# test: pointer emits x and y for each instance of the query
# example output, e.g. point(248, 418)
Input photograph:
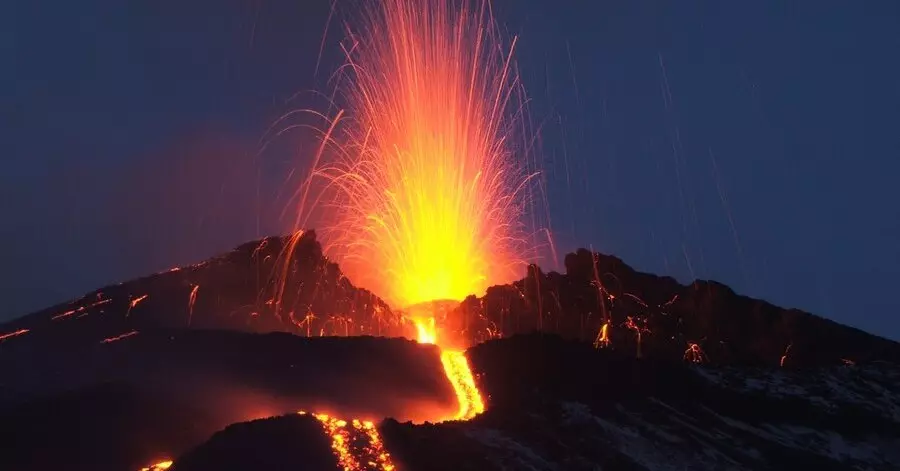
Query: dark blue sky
point(755, 143)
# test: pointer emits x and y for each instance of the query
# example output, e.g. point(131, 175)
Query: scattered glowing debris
point(787, 350)
point(307, 320)
point(695, 354)
point(191, 300)
point(262, 244)
point(81, 309)
point(639, 327)
point(161, 466)
point(13, 334)
point(357, 445)
point(134, 302)
point(602, 340)
point(119, 337)
point(421, 165)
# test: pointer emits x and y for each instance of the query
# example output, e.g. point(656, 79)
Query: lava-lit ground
point(120, 370)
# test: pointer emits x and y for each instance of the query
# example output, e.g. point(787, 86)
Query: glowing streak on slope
point(191, 300)
point(80, 309)
point(14, 334)
point(119, 337)
point(355, 455)
point(425, 186)
point(134, 302)
point(456, 367)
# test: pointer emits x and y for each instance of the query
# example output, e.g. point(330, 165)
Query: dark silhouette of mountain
point(275, 284)
point(640, 373)
point(652, 316)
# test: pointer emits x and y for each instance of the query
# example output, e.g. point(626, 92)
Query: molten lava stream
point(456, 367)
point(357, 447)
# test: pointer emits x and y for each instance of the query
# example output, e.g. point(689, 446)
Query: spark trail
point(425, 190)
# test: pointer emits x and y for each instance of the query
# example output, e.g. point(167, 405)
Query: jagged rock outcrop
point(657, 317)
point(679, 377)
point(275, 284)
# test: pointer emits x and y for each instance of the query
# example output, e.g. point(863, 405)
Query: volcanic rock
point(641, 373)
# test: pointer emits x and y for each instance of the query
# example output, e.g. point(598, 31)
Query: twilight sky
point(755, 143)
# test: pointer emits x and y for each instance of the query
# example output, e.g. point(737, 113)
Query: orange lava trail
point(13, 334)
point(134, 302)
point(456, 367)
point(356, 445)
point(119, 337)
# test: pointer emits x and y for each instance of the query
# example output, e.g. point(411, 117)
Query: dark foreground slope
point(158, 394)
point(677, 377)
point(560, 405)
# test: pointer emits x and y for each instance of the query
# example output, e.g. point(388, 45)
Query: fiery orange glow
point(695, 354)
point(602, 340)
point(161, 466)
point(357, 445)
point(420, 172)
point(456, 367)
point(134, 302)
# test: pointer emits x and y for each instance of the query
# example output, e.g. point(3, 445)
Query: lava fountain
point(418, 185)
point(421, 189)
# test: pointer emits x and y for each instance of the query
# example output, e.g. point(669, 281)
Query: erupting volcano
point(425, 186)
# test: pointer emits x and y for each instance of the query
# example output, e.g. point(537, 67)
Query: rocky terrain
point(601, 367)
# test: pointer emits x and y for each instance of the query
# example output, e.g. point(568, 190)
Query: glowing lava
point(356, 445)
point(161, 466)
point(456, 367)
point(424, 186)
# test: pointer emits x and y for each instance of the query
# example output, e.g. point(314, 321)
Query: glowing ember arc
point(427, 189)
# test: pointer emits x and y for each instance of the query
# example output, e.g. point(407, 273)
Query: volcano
point(600, 367)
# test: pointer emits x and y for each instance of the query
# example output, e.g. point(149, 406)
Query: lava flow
point(456, 367)
point(357, 447)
